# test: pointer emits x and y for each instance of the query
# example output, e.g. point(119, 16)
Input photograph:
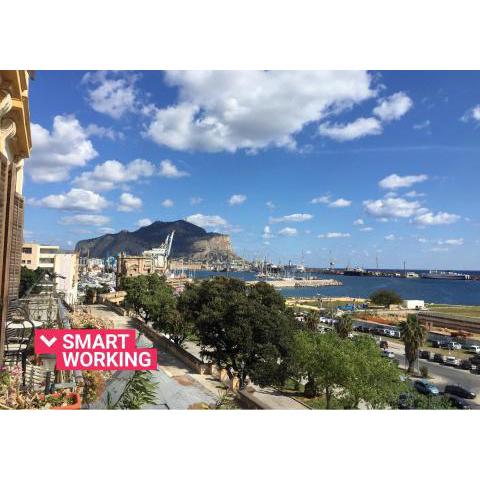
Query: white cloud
point(473, 114)
point(395, 181)
point(85, 219)
point(270, 205)
point(422, 240)
point(422, 125)
point(361, 127)
point(106, 230)
point(55, 153)
point(196, 200)
point(167, 203)
point(323, 199)
point(393, 107)
point(288, 232)
point(95, 130)
point(144, 222)
point(366, 229)
point(112, 93)
point(414, 194)
point(386, 208)
point(75, 199)
point(440, 218)
point(334, 235)
point(340, 203)
point(390, 237)
point(231, 110)
point(237, 199)
point(169, 170)
point(113, 174)
point(129, 202)
point(294, 217)
point(267, 232)
point(359, 221)
point(211, 221)
point(451, 241)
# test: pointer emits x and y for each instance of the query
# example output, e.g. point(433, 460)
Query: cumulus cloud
point(75, 199)
point(361, 127)
point(391, 208)
point(451, 241)
point(237, 199)
point(359, 221)
point(144, 222)
point(167, 203)
point(95, 130)
point(393, 107)
point(414, 194)
point(473, 114)
point(270, 205)
point(230, 110)
point(366, 229)
point(422, 125)
point(441, 218)
point(113, 174)
point(85, 219)
point(334, 235)
point(395, 181)
point(288, 232)
point(106, 230)
point(340, 203)
point(111, 93)
point(323, 199)
point(207, 221)
point(169, 170)
point(267, 232)
point(327, 200)
point(129, 202)
point(390, 237)
point(294, 217)
point(57, 151)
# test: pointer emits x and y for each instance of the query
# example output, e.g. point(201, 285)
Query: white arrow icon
point(48, 342)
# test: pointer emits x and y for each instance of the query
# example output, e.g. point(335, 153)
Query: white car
point(473, 348)
point(387, 354)
point(452, 361)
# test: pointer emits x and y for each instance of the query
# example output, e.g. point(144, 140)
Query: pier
point(295, 283)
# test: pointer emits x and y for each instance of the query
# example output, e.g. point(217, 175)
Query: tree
point(29, 279)
point(322, 360)
point(344, 326)
point(312, 320)
point(413, 335)
point(385, 297)
point(241, 327)
point(153, 299)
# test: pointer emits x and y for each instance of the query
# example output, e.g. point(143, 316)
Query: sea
point(453, 292)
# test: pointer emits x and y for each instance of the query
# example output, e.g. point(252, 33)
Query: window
point(49, 250)
point(26, 250)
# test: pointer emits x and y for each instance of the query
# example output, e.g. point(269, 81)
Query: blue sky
point(347, 166)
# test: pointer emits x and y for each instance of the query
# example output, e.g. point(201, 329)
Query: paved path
point(178, 387)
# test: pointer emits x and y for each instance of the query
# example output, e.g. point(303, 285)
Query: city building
point(35, 255)
point(15, 146)
point(414, 304)
point(66, 276)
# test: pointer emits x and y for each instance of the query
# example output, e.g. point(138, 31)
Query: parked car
point(452, 346)
point(438, 357)
point(383, 344)
point(473, 348)
point(387, 354)
point(457, 402)
point(452, 361)
point(475, 360)
point(436, 343)
point(459, 391)
point(466, 364)
point(426, 355)
point(426, 388)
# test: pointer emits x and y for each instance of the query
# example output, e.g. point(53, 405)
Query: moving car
point(422, 386)
point(459, 391)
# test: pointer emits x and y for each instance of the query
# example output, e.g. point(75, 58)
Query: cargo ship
point(436, 275)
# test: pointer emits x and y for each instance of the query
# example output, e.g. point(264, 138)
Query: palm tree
point(344, 326)
point(413, 335)
point(312, 320)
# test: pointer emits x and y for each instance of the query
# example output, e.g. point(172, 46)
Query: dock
point(294, 283)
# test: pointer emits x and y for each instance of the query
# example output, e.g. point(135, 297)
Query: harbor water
point(455, 292)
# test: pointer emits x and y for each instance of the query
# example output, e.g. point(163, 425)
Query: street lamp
point(49, 361)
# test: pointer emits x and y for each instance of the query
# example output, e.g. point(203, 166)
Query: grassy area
point(466, 311)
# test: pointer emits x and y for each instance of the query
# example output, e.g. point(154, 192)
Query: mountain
point(190, 241)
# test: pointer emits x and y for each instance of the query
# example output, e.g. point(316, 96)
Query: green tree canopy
point(239, 323)
point(344, 326)
point(385, 297)
point(28, 280)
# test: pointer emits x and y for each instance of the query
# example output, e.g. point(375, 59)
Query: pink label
point(94, 349)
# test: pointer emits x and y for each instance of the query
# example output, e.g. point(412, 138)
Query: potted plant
point(63, 400)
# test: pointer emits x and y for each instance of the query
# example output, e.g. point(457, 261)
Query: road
point(442, 375)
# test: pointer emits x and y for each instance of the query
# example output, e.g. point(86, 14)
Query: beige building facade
point(35, 255)
point(66, 266)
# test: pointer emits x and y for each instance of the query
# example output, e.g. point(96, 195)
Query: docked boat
point(436, 275)
point(355, 272)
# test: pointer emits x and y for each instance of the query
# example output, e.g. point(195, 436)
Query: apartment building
point(35, 255)
point(66, 266)
point(15, 146)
